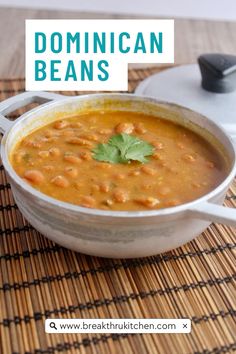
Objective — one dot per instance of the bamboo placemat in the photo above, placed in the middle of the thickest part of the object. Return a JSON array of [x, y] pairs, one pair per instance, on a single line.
[[40, 279]]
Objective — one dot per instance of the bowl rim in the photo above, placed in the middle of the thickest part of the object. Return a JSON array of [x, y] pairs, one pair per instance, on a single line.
[[105, 213]]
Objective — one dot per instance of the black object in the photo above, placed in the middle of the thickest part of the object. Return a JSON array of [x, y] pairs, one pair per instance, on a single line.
[[218, 72]]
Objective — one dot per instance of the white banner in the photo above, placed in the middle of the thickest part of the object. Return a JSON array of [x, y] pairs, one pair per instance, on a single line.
[[92, 54]]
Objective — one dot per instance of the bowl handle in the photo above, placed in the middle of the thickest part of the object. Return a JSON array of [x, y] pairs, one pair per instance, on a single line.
[[21, 100], [215, 213]]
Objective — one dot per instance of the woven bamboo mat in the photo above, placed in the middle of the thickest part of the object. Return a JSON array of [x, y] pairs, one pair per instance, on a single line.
[[40, 279]]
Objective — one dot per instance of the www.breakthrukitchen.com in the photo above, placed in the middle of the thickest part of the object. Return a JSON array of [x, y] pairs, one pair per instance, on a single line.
[[118, 326]]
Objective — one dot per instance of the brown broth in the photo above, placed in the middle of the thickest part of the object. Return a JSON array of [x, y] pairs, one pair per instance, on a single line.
[[57, 160]]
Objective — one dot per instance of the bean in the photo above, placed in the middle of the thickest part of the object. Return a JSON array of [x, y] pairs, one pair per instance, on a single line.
[[139, 128], [72, 159], [76, 125], [71, 171], [33, 143], [34, 176], [19, 156], [55, 152], [180, 145], [173, 202], [61, 124], [135, 173], [105, 187], [48, 168], [156, 155], [121, 196], [189, 158], [127, 128], [49, 133], [104, 165], [85, 155], [163, 163], [44, 140], [51, 140], [105, 131], [43, 154], [95, 188], [163, 191], [148, 202], [36, 144], [108, 202], [210, 164], [60, 181], [68, 132], [158, 145], [79, 185], [29, 142], [89, 136], [171, 169], [92, 120], [88, 201], [196, 185], [78, 141], [148, 170], [120, 176], [161, 158]]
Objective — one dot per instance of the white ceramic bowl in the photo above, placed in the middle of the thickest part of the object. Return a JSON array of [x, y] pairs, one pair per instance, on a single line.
[[111, 233]]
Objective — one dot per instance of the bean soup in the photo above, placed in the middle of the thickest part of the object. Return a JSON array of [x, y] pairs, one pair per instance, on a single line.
[[164, 164]]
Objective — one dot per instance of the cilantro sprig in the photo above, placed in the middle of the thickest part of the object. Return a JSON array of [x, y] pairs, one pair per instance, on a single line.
[[123, 148]]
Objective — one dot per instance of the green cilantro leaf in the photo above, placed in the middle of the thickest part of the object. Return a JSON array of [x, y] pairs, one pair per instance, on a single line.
[[138, 152], [106, 152], [123, 142], [122, 148]]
